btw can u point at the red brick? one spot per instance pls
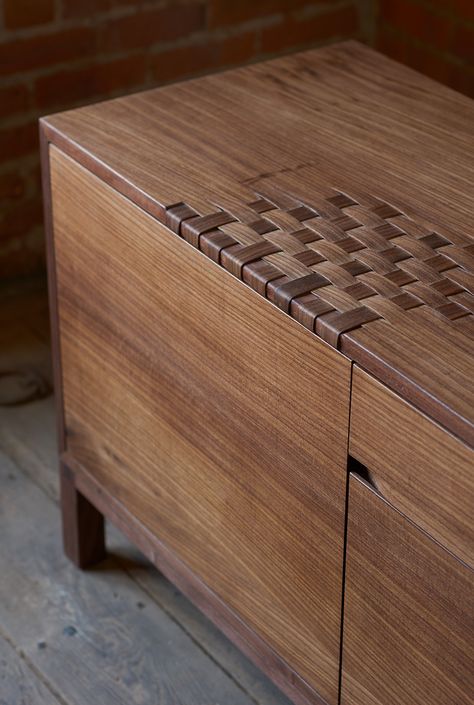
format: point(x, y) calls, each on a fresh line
point(13, 99)
point(34, 177)
point(46, 49)
point(461, 78)
point(90, 8)
point(428, 63)
point(462, 9)
point(296, 31)
point(90, 82)
point(230, 12)
point(392, 45)
point(23, 257)
point(27, 13)
point(420, 58)
point(197, 58)
point(185, 61)
point(236, 50)
point(143, 29)
point(417, 21)
point(12, 186)
point(18, 141)
point(19, 218)
point(463, 43)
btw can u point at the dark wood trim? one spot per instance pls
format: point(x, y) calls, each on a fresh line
point(83, 525)
point(407, 389)
point(102, 171)
point(52, 287)
point(190, 585)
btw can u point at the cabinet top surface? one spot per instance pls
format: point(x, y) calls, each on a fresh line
point(335, 182)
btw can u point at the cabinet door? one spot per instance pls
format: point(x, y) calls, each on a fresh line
point(217, 420)
point(408, 617)
point(417, 465)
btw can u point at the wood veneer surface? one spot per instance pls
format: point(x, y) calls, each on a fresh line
point(219, 422)
point(420, 468)
point(408, 617)
point(335, 182)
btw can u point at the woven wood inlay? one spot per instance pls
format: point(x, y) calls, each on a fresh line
point(338, 261)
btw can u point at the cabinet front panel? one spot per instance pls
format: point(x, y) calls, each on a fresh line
point(215, 418)
point(409, 611)
point(419, 467)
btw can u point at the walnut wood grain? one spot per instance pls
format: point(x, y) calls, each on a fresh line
point(349, 119)
point(94, 637)
point(217, 420)
point(408, 617)
point(419, 467)
point(52, 290)
point(83, 525)
point(341, 105)
point(429, 364)
point(190, 584)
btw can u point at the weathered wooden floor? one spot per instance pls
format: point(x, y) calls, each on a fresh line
point(119, 634)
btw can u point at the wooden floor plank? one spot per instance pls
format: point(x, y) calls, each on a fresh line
point(28, 437)
point(94, 635)
point(19, 685)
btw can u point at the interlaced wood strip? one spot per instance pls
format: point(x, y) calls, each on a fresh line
point(338, 262)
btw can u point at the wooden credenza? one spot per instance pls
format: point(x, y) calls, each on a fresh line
point(262, 307)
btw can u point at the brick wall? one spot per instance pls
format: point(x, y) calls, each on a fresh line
point(435, 37)
point(57, 54)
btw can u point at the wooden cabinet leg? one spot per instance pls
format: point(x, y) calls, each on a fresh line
point(83, 524)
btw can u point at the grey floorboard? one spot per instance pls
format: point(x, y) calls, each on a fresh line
point(19, 684)
point(94, 636)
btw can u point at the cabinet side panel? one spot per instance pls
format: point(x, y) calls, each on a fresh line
point(217, 420)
